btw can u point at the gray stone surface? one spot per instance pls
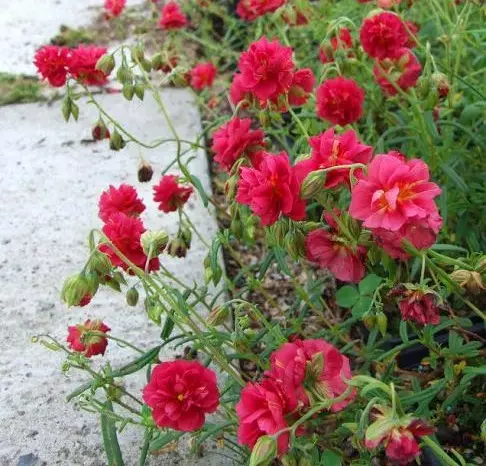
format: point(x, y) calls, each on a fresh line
point(50, 183)
point(25, 25)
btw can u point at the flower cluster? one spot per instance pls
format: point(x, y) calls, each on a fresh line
point(301, 374)
point(55, 64)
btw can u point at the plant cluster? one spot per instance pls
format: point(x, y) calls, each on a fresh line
point(348, 137)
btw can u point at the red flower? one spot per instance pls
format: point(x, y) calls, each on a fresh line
point(329, 150)
point(271, 189)
point(302, 84)
point(114, 7)
point(403, 69)
point(90, 345)
point(123, 199)
point(413, 29)
point(291, 367)
point(172, 17)
point(51, 62)
point(333, 251)
point(340, 101)
point(398, 435)
point(82, 65)
point(249, 10)
point(180, 394)
point(236, 139)
point(266, 69)
point(393, 192)
point(237, 91)
point(341, 42)
point(422, 233)
point(170, 194)
point(202, 75)
point(418, 306)
point(125, 232)
point(382, 35)
point(261, 410)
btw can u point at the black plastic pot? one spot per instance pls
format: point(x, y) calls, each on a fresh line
point(410, 357)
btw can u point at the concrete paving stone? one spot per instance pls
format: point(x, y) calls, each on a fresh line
point(50, 184)
point(25, 25)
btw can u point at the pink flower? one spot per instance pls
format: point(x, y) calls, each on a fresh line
point(342, 41)
point(249, 10)
point(114, 7)
point(51, 62)
point(170, 194)
point(180, 394)
point(261, 410)
point(330, 150)
point(172, 17)
point(81, 341)
point(340, 101)
point(238, 91)
point(289, 368)
point(331, 250)
point(302, 84)
point(417, 305)
point(202, 76)
point(421, 233)
point(266, 69)
point(402, 68)
point(382, 35)
point(271, 189)
point(393, 192)
point(123, 199)
point(125, 232)
point(236, 139)
point(82, 65)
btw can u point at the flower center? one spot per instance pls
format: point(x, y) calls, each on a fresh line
point(180, 396)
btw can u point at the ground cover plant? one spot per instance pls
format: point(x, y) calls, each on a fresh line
point(346, 324)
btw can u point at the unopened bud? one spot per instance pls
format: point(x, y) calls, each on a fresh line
point(100, 131)
point(469, 280)
point(100, 263)
point(218, 315)
point(381, 322)
point(145, 172)
point(441, 83)
point(116, 141)
point(313, 184)
point(264, 451)
point(78, 290)
point(369, 320)
point(106, 64)
point(128, 91)
point(124, 75)
point(132, 297)
point(139, 90)
point(177, 248)
point(154, 242)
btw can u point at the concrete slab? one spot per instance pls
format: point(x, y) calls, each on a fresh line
point(50, 183)
point(25, 25)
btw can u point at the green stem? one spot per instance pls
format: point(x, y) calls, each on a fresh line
point(441, 454)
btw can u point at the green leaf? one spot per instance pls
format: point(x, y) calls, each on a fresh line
point(164, 439)
point(403, 331)
point(455, 178)
point(347, 296)
point(362, 306)
point(110, 439)
point(368, 285)
point(331, 458)
point(198, 185)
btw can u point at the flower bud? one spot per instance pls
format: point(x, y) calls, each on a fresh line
point(369, 320)
point(177, 248)
point(218, 315)
point(128, 91)
point(78, 290)
point(106, 64)
point(381, 322)
point(132, 297)
point(137, 53)
point(313, 184)
point(470, 280)
point(145, 172)
point(154, 242)
point(139, 90)
point(186, 236)
point(67, 107)
point(441, 83)
point(288, 460)
point(100, 131)
point(100, 263)
point(264, 451)
point(124, 75)
point(157, 61)
point(116, 141)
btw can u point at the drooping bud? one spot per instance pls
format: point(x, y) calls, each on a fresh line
point(264, 451)
point(441, 83)
point(139, 90)
point(132, 297)
point(124, 75)
point(154, 242)
point(128, 91)
point(145, 172)
point(100, 131)
point(78, 290)
point(106, 64)
point(116, 141)
point(381, 322)
point(313, 184)
point(177, 248)
point(100, 263)
point(469, 280)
